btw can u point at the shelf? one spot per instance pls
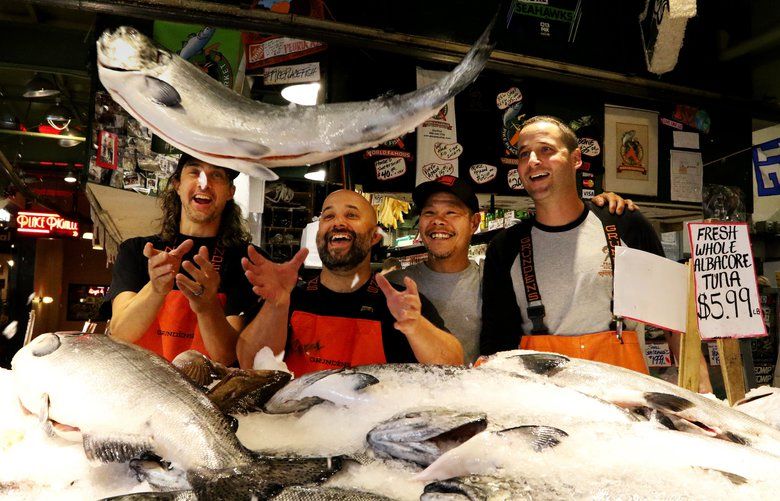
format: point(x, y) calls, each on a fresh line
point(283, 228)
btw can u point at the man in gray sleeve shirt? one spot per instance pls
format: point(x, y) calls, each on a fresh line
point(449, 215)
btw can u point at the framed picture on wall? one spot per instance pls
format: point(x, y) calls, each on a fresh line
point(630, 150)
point(107, 152)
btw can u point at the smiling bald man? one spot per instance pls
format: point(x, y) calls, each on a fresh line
point(347, 315)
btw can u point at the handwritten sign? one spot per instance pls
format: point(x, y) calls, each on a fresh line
point(447, 151)
point(726, 295)
point(513, 180)
point(589, 147)
point(506, 99)
point(483, 173)
point(390, 168)
point(294, 73)
point(435, 171)
point(658, 355)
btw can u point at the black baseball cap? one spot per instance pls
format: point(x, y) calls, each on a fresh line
point(447, 184)
point(186, 157)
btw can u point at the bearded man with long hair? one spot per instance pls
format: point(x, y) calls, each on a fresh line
point(184, 288)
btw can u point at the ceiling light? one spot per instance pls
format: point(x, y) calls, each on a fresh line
point(70, 178)
point(47, 299)
point(5, 216)
point(58, 116)
point(315, 173)
point(304, 94)
point(40, 87)
point(87, 235)
point(10, 263)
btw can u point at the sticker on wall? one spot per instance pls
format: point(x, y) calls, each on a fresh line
point(589, 147)
point(447, 151)
point(588, 183)
point(483, 173)
point(390, 168)
point(435, 171)
point(588, 194)
point(513, 180)
point(506, 99)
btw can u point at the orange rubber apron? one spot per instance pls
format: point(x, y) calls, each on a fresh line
point(322, 342)
point(175, 329)
point(621, 349)
point(601, 347)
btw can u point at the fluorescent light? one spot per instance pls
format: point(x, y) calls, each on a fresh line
point(304, 94)
point(70, 178)
point(87, 235)
point(97, 247)
point(315, 173)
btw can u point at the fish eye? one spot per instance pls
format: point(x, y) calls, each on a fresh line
point(45, 344)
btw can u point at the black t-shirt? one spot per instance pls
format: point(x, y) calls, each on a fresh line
point(367, 302)
point(131, 272)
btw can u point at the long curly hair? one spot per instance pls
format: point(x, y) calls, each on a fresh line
point(232, 226)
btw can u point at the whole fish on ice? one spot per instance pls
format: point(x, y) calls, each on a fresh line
point(685, 410)
point(198, 115)
point(125, 403)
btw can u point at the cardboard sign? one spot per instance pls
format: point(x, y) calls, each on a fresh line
point(513, 180)
point(506, 99)
point(435, 171)
point(483, 173)
point(390, 168)
point(447, 151)
point(658, 355)
point(726, 294)
point(589, 147)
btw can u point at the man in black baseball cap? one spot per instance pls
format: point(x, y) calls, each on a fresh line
point(449, 215)
point(184, 288)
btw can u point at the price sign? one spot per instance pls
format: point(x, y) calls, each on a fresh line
point(726, 294)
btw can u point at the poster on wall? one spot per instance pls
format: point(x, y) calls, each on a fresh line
point(107, 152)
point(766, 173)
point(437, 138)
point(686, 175)
point(630, 150)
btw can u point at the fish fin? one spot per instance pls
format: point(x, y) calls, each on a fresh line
point(732, 477)
point(262, 478)
point(544, 364)
point(260, 172)
point(115, 448)
point(737, 439)
point(162, 93)
point(538, 437)
point(667, 401)
point(250, 148)
point(196, 366)
point(158, 473)
point(360, 380)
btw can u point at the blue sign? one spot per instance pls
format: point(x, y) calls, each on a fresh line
point(768, 169)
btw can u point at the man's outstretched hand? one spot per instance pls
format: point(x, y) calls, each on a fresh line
point(272, 281)
point(163, 266)
point(405, 306)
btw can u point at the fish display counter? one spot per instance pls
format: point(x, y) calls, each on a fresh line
point(100, 418)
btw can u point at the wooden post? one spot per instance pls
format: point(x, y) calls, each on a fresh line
point(690, 344)
point(731, 367)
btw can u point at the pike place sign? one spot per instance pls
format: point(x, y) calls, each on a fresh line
point(44, 223)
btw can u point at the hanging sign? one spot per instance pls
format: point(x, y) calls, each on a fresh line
point(436, 135)
point(483, 173)
point(390, 168)
point(726, 294)
point(44, 223)
point(292, 74)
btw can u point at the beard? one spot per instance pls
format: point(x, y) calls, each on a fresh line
point(361, 246)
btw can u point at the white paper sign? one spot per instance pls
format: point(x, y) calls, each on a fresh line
point(589, 147)
point(440, 128)
point(688, 140)
point(294, 73)
point(483, 173)
point(390, 168)
point(686, 173)
point(662, 297)
point(726, 295)
point(506, 99)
